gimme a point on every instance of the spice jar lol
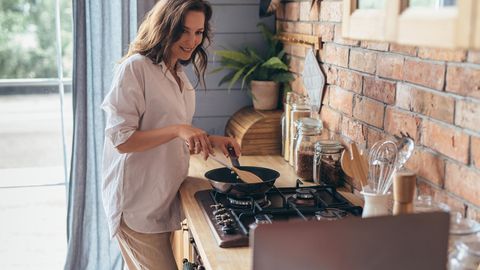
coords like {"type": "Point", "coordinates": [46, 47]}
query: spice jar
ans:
{"type": "Point", "coordinates": [290, 99]}
{"type": "Point", "coordinates": [327, 167]}
{"type": "Point", "coordinates": [466, 255]}
{"type": "Point", "coordinates": [300, 109]}
{"type": "Point", "coordinates": [309, 131]}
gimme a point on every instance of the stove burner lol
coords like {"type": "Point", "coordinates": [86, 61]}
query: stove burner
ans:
{"type": "Point", "coordinates": [304, 193]}
{"type": "Point", "coordinates": [247, 202]}
{"type": "Point", "coordinates": [330, 214]}
{"type": "Point", "coordinates": [263, 219]}
{"type": "Point", "coordinates": [304, 196]}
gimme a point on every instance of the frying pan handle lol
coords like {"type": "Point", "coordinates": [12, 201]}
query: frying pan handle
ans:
{"type": "Point", "coordinates": [233, 156]}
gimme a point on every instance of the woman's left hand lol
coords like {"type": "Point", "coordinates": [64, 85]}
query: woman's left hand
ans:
{"type": "Point", "coordinates": [223, 143]}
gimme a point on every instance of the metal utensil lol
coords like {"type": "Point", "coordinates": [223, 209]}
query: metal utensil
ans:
{"type": "Point", "coordinates": [382, 164]}
{"type": "Point", "coordinates": [314, 81]}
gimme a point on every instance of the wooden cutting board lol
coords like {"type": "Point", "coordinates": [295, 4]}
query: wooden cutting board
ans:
{"type": "Point", "coordinates": [257, 132]}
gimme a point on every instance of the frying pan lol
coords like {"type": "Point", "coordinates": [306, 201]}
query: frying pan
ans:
{"type": "Point", "coordinates": [222, 180]}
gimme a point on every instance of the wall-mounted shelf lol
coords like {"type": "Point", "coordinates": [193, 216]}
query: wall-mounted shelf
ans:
{"type": "Point", "coordinates": [300, 39]}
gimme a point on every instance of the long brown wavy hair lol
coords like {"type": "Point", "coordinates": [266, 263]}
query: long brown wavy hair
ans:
{"type": "Point", "coordinates": [163, 26]}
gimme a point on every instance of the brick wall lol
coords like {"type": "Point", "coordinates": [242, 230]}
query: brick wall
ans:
{"type": "Point", "coordinates": [377, 89]}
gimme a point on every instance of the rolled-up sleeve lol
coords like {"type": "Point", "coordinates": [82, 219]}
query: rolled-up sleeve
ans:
{"type": "Point", "coordinates": [124, 104]}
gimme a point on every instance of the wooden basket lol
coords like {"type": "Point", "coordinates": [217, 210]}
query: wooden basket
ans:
{"type": "Point", "coordinates": [257, 132]}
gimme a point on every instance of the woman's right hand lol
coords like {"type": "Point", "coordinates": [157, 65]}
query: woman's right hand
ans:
{"type": "Point", "coordinates": [196, 139]}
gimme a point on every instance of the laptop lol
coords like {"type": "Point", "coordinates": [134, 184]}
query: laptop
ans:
{"type": "Point", "coordinates": [413, 241]}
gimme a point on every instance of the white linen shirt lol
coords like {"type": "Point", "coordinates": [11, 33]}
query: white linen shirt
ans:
{"type": "Point", "coordinates": [143, 186]}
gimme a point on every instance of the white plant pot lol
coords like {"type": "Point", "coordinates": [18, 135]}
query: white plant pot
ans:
{"type": "Point", "coordinates": [264, 95]}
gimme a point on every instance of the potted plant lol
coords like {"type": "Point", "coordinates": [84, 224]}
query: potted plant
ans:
{"type": "Point", "coordinates": [263, 74]}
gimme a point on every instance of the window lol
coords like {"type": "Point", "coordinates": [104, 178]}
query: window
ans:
{"type": "Point", "coordinates": [35, 131]}
{"type": "Point", "coordinates": [431, 23]}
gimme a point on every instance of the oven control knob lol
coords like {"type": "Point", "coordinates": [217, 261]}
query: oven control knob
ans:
{"type": "Point", "coordinates": [222, 216]}
{"type": "Point", "coordinates": [216, 206]}
{"type": "Point", "coordinates": [228, 229]}
{"type": "Point", "coordinates": [219, 211]}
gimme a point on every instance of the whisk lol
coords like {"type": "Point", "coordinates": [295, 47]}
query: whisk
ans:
{"type": "Point", "coordinates": [382, 159]}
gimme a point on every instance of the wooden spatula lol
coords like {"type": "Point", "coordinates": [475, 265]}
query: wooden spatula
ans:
{"type": "Point", "coordinates": [245, 176]}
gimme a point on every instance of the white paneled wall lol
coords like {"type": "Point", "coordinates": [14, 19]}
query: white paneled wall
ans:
{"type": "Point", "coordinates": [234, 25]}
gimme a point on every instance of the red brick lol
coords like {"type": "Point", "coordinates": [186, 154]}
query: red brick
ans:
{"type": "Point", "coordinates": [295, 50]}
{"type": "Point", "coordinates": [373, 45]}
{"type": "Point", "coordinates": [442, 54]}
{"type": "Point", "coordinates": [397, 121]}
{"type": "Point", "coordinates": [292, 11]}
{"type": "Point", "coordinates": [337, 55]}
{"type": "Point", "coordinates": [429, 103]}
{"type": "Point", "coordinates": [369, 111]}
{"type": "Point", "coordinates": [468, 115]}
{"type": "Point", "coordinates": [475, 151]}
{"type": "Point", "coordinates": [374, 135]}
{"type": "Point", "coordinates": [474, 57]}
{"type": "Point", "coordinates": [331, 119]}
{"type": "Point", "coordinates": [287, 27]}
{"type": "Point", "coordinates": [427, 165]}
{"type": "Point", "coordinates": [403, 49]}
{"type": "Point", "coordinates": [425, 73]}
{"type": "Point", "coordinates": [280, 12]}
{"type": "Point", "coordinates": [363, 60]}
{"type": "Point", "coordinates": [326, 94]}
{"type": "Point", "coordinates": [390, 66]}
{"type": "Point", "coordinates": [303, 28]}
{"type": "Point", "coordinates": [354, 130]}
{"type": "Point", "coordinates": [463, 80]}
{"type": "Point", "coordinates": [446, 140]}
{"type": "Point", "coordinates": [379, 89]}
{"type": "Point", "coordinates": [297, 86]}
{"type": "Point", "coordinates": [330, 73]}
{"type": "Point", "coordinates": [341, 100]}
{"type": "Point", "coordinates": [338, 38]}
{"type": "Point", "coordinates": [463, 181]}
{"type": "Point", "coordinates": [349, 80]}
{"type": "Point", "coordinates": [325, 30]}
{"type": "Point", "coordinates": [296, 64]}
{"type": "Point", "coordinates": [331, 11]}
{"type": "Point", "coordinates": [309, 12]}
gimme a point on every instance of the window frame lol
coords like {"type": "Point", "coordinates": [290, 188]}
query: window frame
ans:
{"type": "Point", "coordinates": [449, 27]}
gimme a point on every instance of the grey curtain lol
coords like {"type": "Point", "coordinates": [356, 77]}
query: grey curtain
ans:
{"type": "Point", "coordinates": [102, 31]}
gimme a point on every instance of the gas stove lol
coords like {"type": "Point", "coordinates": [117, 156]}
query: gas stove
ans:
{"type": "Point", "coordinates": [231, 219]}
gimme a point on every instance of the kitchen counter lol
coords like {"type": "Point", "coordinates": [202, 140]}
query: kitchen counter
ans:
{"type": "Point", "coordinates": [213, 256]}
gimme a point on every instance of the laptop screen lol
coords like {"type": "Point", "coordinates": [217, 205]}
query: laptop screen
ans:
{"type": "Point", "coordinates": [414, 241]}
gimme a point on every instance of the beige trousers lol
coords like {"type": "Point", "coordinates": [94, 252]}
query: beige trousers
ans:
{"type": "Point", "coordinates": [145, 251]}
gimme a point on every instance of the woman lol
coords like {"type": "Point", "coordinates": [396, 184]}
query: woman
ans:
{"type": "Point", "coordinates": [149, 136]}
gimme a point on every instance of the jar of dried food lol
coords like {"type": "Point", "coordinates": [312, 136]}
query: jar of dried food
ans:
{"type": "Point", "coordinates": [300, 109]}
{"type": "Point", "coordinates": [309, 131]}
{"type": "Point", "coordinates": [290, 99]}
{"type": "Point", "coordinates": [327, 167]}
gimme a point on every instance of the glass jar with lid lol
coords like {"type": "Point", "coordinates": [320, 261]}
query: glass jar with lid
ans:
{"type": "Point", "coordinates": [461, 228]}
{"type": "Point", "coordinates": [466, 255]}
{"type": "Point", "coordinates": [308, 133]}
{"type": "Point", "coordinates": [290, 99]}
{"type": "Point", "coordinates": [326, 163]}
{"type": "Point", "coordinates": [300, 109]}
{"type": "Point", "coordinates": [425, 203]}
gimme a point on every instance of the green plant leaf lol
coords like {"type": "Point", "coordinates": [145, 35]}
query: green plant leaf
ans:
{"type": "Point", "coordinates": [282, 77]}
{"type": "Point", "coordinates": [227, 78]}
{"type": "Point", "coordinates": [235, 56]}
{"type": "Point", "coordinates": [275, 63]}
{"type": "Point", "coordinates": [235, 78]}
{"type": "Point", "coordinates": [249, 72]}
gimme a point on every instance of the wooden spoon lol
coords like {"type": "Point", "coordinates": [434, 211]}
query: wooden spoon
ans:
{"type": "Point", "coordinates": [245, 176]}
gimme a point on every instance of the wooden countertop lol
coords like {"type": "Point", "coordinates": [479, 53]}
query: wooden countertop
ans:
{"type": "Point", "coordinates": [215, 257]}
